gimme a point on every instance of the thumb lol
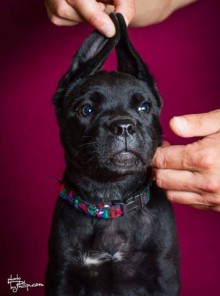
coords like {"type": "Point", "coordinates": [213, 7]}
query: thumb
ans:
{"type": "Point", "coordinates": [93, 12]}
{"type": "Point", "coordinates": [196, 125]}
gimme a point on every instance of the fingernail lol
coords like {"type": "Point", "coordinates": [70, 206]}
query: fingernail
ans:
{"type": "Point", "coordinates": [181, 124]}
{"type": "Point", "coordinates": [109, 30]}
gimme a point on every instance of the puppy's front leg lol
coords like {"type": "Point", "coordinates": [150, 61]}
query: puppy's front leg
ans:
{"type": "Point", "coordinates": [168, 260]}
{"type": "Point", "coordinates": [169, 276]}
{"type": "Point", "coordinates": [56, 281]}
{"type": "Point", "coordinates": [62, 281]}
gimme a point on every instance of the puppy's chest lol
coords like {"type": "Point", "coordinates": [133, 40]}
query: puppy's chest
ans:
{"type": "Point", "coordinates": [111, 246]}
{"type": "Point", "coordinates": [106, 244]}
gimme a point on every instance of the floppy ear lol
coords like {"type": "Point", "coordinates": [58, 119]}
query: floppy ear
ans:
{"type": "Point", "coordinates": [129, 60]}
{"type": "Point", "coordinates": [88, 60]}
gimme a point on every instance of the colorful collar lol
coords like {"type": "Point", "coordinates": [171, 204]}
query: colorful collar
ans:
{"type": "Point", "coordinates": [108, 210]}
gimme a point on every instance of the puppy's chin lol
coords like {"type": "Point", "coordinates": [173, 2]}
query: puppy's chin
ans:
{"type": "Point", "coordinates": [126, 170]}
{"type": "Point", "coordinates": [124, 163]}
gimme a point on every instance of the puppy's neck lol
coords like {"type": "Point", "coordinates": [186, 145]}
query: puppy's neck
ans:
{"type": "Point", "coordinates": [113, 189]}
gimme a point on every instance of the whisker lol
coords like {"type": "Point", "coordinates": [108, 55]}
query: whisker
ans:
{"type": "Point", "coordinates": [90, 159]}
{"type": "Point", "coordinates": [86, 144]}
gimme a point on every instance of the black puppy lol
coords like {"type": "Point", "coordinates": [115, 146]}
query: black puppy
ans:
{"type": "Point", "coordinates": [113, 230]}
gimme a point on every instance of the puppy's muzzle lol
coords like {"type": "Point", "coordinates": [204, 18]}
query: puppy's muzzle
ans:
{"type": "Point", "coordinates": [124, 146]}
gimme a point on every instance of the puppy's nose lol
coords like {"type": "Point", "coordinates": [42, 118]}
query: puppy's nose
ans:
{"type": "Point", "coordinates": [123, 127]}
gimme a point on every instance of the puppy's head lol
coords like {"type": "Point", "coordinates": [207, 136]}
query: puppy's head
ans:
{"type": "Point", "coordinates": [109, 121]}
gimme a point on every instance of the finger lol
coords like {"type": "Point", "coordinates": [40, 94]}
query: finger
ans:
{"type": "Point", "coordinates": [184, 197]}
{"type": "Point", "coordinates": [202, 155]}
{"type": "Point", "coordinates": [164, 144]}
{"type": "Point", "coordinates": [195, 200]}
{"type": "Point", "coordinates": [62, 14]}
{"type": "Point", "coordinates": [207, 208]}
{"type": "Point", "coordinates": [92, 13]}
{"type": "Point", "coordinates": [60, 21]}
{"type": "Point", "coordinates": [175, 157]}
{"type": "Point", "coordinates": [188, 181]}
{"type": "Point", "coordinates": [109, 9]}
{"type": "Point", "coordinates": [196, 125]}
{"type": "Point", "coordinates": [126, 8]}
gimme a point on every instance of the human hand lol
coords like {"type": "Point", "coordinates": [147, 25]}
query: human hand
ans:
{"type": "Point", "coordinates": [190, 174]}
{"type": "Point", "coordinates": [73, 12]}
{"type": "Point", "coordinates": [136, 12]}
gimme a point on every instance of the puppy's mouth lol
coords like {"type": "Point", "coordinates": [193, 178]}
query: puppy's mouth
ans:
{"type": "Point", "coordinates": [126, 159]}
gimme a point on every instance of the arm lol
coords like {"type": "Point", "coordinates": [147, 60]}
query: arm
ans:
{"type": "Point", "coordinates": [154, 11]}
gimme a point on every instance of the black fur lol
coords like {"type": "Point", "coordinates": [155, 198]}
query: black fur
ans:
{"type": "Point", "coordinates": [109, 128]}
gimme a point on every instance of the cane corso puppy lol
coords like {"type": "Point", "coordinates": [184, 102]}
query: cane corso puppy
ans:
{"type": "Point", "coordinates": [113, 231]}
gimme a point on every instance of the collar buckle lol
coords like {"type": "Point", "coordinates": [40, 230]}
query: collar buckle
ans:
{"type": "Point", "coordinates": [134, 203]}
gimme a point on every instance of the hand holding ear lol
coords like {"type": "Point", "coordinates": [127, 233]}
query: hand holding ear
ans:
{"type": "Point", "coordinates": [73, 12]}
{"type": "Point", "coordinates": [191, 174]}
{"type": "Point", "coordinates": [140, 12]}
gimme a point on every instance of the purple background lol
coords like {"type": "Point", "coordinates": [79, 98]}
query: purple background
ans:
{"type": "Point", "coordinates": [183, 54]}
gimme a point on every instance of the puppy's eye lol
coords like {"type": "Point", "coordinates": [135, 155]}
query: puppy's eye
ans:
{"type": "Point", "coordinates": [144, 107]}
{"type": "Point", "coordinates": [85, 111]}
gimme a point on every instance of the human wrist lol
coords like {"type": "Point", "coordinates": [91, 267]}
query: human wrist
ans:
{"type": "Point", "coordinates": [150, 12]}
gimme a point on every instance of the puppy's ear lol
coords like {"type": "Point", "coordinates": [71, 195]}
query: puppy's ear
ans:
{"type": "Point", "coordinates": [88, 60]}
{"type": "Point", "coordinates": [129, 60]}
